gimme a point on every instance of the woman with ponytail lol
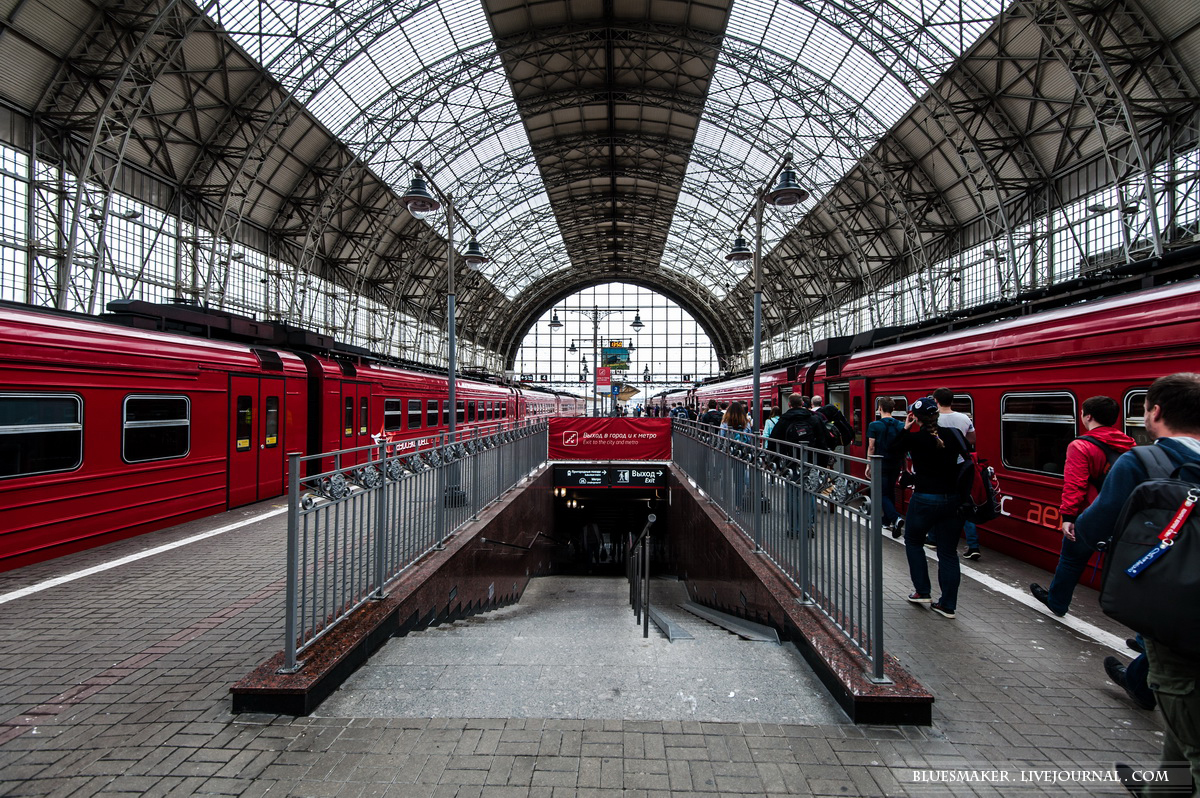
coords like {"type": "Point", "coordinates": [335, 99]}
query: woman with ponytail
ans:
{"type": "Point", "coordinates": [936, 453]}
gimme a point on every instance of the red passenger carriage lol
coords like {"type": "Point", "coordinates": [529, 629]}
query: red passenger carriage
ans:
{"type": "Point", "coordinates": [1023, 381]}
{"type": "Point", "coordinates": [109, 431]}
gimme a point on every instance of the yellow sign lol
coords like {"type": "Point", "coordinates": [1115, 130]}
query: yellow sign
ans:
{"type": "Point", "coordinates": [271, 440]}
{"type": "Point", "coordinates": [617, 344]}
{"type": "Point", "coordinates": [243, 443]}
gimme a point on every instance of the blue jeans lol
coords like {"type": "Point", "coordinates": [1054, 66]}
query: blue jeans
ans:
{"type": "Point", "coordinates": [937, 515]}
{"type": "Point", "coordinates": [1072, 562]}
{"type": "Point", "coordinates": [887, 499]}
{"type": "Point", "coordinates": [969, 532]}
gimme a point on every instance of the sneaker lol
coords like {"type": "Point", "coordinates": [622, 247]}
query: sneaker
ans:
{"type": "Point", "coordinates": [940, 610]}
{"type": "Point", "coordinates": [1041, 594]}
{"type": "Point", "coordinates": [1116, 672]}
{"type": "Point", "coordinates": [929, 544]}
{"type": "Point", "coordinates": [971, 554]}
{"type": "Point", "coordinates": [898, 528]}
{"type": "Point", "coordinates": [1133, 645]}
{"type": "Point", "coordinates": [919, 598]}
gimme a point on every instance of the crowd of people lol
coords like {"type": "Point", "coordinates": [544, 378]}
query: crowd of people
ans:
{"type": "Point", "coordinates": [926, 450]}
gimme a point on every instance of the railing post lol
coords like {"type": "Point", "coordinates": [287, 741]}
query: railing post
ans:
{"type": "Point", "coordinates": [646, 586]}
{"type": "Point", "coordinates": [290, 664]}
{"type": "Point", "coordinates": [804, 566]}
{"type": "Point", "coordinates": [381, 522]}
{"type": "Point", "coordinates": [757, 497]}
{"type": "Point", "coordinates": [877, 570]}
{"type": "Point", "coordinates": [441, 493]}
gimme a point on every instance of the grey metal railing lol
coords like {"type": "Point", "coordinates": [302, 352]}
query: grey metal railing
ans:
{"type": "Point", "coordinates": [637, 568]}
{"type": "Point", "coordinates": [376, 510]}
{"type": "Point", "coordinates": [808, 514]}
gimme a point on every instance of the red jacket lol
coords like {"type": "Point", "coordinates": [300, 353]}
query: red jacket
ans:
{"type": "Point", "coordinates": [1085, 460]}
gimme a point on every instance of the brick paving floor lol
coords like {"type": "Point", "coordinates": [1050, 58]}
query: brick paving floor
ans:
{"type": "Point", "coordinates": [117, 683]}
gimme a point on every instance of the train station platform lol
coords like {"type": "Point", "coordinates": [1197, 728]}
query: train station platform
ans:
{"type": "Point", "coordinates": [118, 664]}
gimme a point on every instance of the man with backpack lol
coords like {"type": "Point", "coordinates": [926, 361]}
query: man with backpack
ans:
{"type": "Point", "coordinates": [798, 427]}
{"type": "Point", "coordinates": [1089, 458]}
{"type": "Point", "coordinates": [1141, 495]}
{"type": "Point", "coordinates": [880, 434]}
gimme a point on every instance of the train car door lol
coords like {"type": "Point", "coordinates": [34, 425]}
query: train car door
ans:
{"type": "Point", "coordinates": [356, 420]}
{"type": "Point", "coordinates": [256, 450]}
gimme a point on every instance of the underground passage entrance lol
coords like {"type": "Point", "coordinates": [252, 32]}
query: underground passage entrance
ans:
{"type": "Point", "coordinates": [599, 511]}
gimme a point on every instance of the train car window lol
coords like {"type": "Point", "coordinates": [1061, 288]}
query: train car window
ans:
{"type": "Point", "coordinates": [899, 407]}
{"type": "Point", "coordinates": [470, 411]}
{"type": "Point", "coordinates": [414, 413]}
{"type": "Point", "coordinates": [349, 419]}
{"type": "Point", "coordinates": [963, 403]}
{"type": "Point", "coordinates": [244, 423]}
{"type": "Point", "coordinates": [446, 412]}
{"type": "Point", "coordinates": [271, 422]}
{"type": "Point", "coordinates": [40, 434]}
{"type": "Point", "coordinates": [364, 416]}
{"type": "Point", "coordinates": [156, 428]}
{"type": "Point", "coordinates": [1135, 416]}
{"type": "Point", "coordinates": [461, 407]}
{"type": "Point", "coordinates": [1035, 429]}
{"type": "Point", "coordinates": [504, 411]}
{"type": "Point", "coordinates": [393, 414]}
{"type": "Point", "coordinates": [431, 412]}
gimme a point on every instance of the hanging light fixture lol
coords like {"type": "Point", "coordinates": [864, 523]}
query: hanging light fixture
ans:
{"type": "Point", "coordinates": [572, 348]}
{"type": "Point", "coordinates": [787, 192]}
{"type": "Point", "coordinates": [740, 251]}
{"type": "Point", "coordinates": [555, 324]}
{"type": "Point", "coordinates": [474, 257]}
{"type": "Point", "coordinates": [419, 201]}
{"type": "Point", "coordinates": [637, 321]}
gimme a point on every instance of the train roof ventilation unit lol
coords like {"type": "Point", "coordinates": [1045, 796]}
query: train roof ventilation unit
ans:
{"type": "Point", "coordinates": [270, 361]}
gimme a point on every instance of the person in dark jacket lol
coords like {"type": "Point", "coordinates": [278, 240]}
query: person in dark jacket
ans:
{"type": "Point", "coordinates": [1087, 465]}
{"type": "Point", "coordinates": [936, 453]}
{"type": "Point", "coordinates": [801, 513]}
{"type": "Point", "coordinates": [712, 416]}
{"type": "Point", "coordinates": [1172, 420]}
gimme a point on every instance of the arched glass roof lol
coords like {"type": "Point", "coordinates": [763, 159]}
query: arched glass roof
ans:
{"type": "Point", "coordinates": [424, 81]}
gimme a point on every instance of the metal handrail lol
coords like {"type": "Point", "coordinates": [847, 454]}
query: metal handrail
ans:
{"type": "Point", "coordinates": [355, 528]}
{"type": "Point", "coordinates": [818, 522]}
{"type": "Point", "coordinates": [638, 570]}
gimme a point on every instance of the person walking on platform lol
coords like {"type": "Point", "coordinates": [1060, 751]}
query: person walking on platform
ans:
{"type": "Point", "coordinates": [933, 509]}
{"type": "Point", "coordinates": [771, 421]}
{"type": "Point", "coordinates": [1089, 458]}
{"type": "Point", "coordinates": [1172, 419]}
{"type": "Point", "coordinates": [711, 416]}
{"type": "Point", "coordinates": [880, 434]}
{"type": "Point", "coordinates": [735, 427]}
{"type": "Point", "coordinates": [949, 417]}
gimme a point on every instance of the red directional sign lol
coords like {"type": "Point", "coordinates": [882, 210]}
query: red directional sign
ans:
{"type": "Point", "coordinates": [579, 438]}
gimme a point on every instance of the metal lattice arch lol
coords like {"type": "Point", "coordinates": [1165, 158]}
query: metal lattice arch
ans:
{"type": "Point", "coordinates": [250, 155]}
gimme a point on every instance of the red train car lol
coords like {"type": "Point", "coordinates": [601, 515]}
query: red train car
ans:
{"type": "Point", "coordinates": [1023, 382]}
{"type": "Point", "coordinates": [109, 431]}
{"type": "Point", "coordinates": [99, 422]}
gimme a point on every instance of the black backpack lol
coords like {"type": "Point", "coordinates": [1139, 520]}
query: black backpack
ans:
{"type": "Point", "coordinates": [711, 418]}
{"type": "Point", "coordinates": [808, 431]}
{"type": "Point", "coordinates": [1111, 453]}
{"type": "Point", "coordinates": [1151, 586]}
{"type": "Point", "coordinates": [840, 433]}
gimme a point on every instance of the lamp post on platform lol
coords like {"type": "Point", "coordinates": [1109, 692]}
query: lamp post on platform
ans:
{"type": "Point", "coordinates": [421, 204]}
{"type": "Point", "coordinates": [787, 192]}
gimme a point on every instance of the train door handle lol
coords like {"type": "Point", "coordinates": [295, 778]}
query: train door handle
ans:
{"type": "Point", "coordinates": [262, 446]}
